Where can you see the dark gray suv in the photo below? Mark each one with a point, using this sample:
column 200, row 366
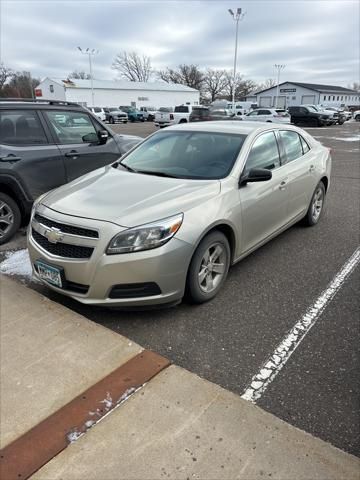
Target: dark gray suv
column 45, row 144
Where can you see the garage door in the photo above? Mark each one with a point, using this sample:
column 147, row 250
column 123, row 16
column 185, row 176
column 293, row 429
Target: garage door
column 306, row 99
column 280, row 102
column 265, row 102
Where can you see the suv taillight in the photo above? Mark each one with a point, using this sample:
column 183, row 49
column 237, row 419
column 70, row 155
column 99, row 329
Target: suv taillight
column 171, row 116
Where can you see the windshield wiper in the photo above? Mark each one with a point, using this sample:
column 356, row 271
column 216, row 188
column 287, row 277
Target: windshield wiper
column 158, row 174
column 116, row 164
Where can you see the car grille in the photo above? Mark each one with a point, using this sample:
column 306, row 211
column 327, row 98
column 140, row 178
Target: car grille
column 62, row 249
column 82, row 232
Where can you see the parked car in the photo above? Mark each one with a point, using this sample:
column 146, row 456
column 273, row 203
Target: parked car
column 334, row 114
column 356, row 115
column 98, row 112
column 170, row 218
column 269, row 115
column 133, row 114
column 200, row 114
column 115, row 115
column 44, row 144
column 309, row 116
column 181, row 114
column 223, row 114
column 148, row 113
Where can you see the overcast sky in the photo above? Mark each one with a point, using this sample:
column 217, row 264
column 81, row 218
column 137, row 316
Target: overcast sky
column 318, row 41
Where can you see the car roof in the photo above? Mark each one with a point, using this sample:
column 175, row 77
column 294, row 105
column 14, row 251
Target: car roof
column 31, row 103
column 228, row 126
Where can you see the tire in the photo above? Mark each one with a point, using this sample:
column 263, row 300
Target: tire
column 10, row 218
column 111, row 120
column 215, row 243
column 357, row 118
column 316, row 206
column 183, row 120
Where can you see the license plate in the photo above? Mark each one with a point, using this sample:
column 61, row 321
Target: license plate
column 49, row 274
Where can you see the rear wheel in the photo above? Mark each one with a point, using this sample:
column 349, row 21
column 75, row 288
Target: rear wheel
column 111, row 120
column 183, row 120
column 357, row 118
column 208, row 268
column 316, row 206
column 10, row 218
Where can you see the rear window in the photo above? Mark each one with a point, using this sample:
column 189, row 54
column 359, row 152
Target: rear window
column 201, row 112
column 21, row 127
column 181, row 109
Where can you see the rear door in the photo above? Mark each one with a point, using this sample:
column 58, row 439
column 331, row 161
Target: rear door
column 28, row 152
column 263, row 204
column 263, row 115
column 300, row 166
column 80, row 156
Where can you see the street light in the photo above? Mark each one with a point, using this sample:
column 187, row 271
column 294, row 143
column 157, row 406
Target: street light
column 90, row 53
column 279, row 68
column 236, row 16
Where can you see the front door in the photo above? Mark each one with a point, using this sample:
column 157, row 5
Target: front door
column 263, row 204
column 80, row 156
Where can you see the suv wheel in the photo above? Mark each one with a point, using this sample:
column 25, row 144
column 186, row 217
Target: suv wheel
column 183, row 120
column 111, row 120
column 10, row 218
column 208, row 268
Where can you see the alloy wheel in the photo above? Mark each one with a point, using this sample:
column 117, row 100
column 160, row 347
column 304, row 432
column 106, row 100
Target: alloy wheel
column 6, row 218
column 317, row 204
column 212, row 267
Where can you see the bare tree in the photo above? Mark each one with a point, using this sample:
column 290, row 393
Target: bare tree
column 189, row 75
column 269, row 82
column 132, row 66
column 244, row 88
column 21, row 85
column 228, row 90
column 79, row 75
column 5, row 74
column 214, row 82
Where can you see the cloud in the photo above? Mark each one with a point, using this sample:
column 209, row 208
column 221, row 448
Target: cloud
column 317, row 40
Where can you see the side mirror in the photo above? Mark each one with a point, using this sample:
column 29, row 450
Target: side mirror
column 256, row 175
column 103, row 136
column 90, row 138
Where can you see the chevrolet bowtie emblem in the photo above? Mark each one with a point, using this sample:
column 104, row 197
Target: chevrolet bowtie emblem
column 54, row 235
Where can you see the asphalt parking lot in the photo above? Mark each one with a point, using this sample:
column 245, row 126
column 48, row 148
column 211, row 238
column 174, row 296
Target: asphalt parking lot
column 228, row 340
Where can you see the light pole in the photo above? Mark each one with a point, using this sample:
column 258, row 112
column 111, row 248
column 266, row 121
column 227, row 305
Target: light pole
column 279, row 68
column 236, row 16
column 90, row 53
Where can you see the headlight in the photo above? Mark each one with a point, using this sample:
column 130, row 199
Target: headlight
column 145, row 237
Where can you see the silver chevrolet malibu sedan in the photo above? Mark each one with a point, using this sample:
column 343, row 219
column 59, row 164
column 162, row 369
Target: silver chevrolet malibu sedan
column 170, row 218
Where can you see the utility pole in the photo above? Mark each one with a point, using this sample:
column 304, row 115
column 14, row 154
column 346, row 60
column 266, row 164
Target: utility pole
column 90, row 53
column 279, row 68
column 237, row 17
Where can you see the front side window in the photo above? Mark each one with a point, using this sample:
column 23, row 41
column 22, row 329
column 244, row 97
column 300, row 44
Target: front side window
column 194, row 155
column 264, row 153
column 253, row 114
column 70, row 127
column 181, row 109
column 21, row 127
column 292, row 145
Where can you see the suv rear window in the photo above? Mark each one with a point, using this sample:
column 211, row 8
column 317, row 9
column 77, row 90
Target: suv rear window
column 200, row 111
column 21, row 127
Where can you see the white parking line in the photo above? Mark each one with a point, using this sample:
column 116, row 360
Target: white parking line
column 288, row 345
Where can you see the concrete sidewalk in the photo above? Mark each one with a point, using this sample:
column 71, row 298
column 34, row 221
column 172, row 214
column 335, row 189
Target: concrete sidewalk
column 177, row 426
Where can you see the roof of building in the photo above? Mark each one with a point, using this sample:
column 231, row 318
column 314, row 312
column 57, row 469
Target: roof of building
column 123, row 85
column 312, row 86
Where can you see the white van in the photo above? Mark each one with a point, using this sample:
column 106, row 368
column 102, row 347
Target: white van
column 242, row 108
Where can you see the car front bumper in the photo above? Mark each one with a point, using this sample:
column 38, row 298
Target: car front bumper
column 165, row 266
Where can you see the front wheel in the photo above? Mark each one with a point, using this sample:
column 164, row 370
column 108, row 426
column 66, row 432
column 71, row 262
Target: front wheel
column 208, row 268
column 357, row 118
column 316, row 206
column 10, row 218
column 111, row 120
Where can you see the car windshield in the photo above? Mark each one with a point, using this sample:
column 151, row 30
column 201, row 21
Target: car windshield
column 193, row 155
column 313, row 109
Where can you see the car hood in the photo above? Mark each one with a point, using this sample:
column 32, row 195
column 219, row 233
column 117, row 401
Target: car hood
column 128, row 199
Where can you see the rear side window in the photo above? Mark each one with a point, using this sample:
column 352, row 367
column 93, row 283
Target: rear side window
column 264, row 153
column 304, row 145
column 292, row 145
column 21, row 127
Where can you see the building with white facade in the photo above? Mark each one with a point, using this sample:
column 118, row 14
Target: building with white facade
column 295, row 93
column 116, row 93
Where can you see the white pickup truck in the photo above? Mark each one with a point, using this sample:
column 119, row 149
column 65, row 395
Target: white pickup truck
column 180, row 114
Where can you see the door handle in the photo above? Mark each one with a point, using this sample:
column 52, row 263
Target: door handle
column 72, row 154
column 10, row 158
column 282, row 185
column 312, row 168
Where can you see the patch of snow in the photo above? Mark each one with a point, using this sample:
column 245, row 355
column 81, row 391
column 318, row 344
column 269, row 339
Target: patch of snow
column 17, row 263
column 107, row 401
column 73, row 436
column 89, row 423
